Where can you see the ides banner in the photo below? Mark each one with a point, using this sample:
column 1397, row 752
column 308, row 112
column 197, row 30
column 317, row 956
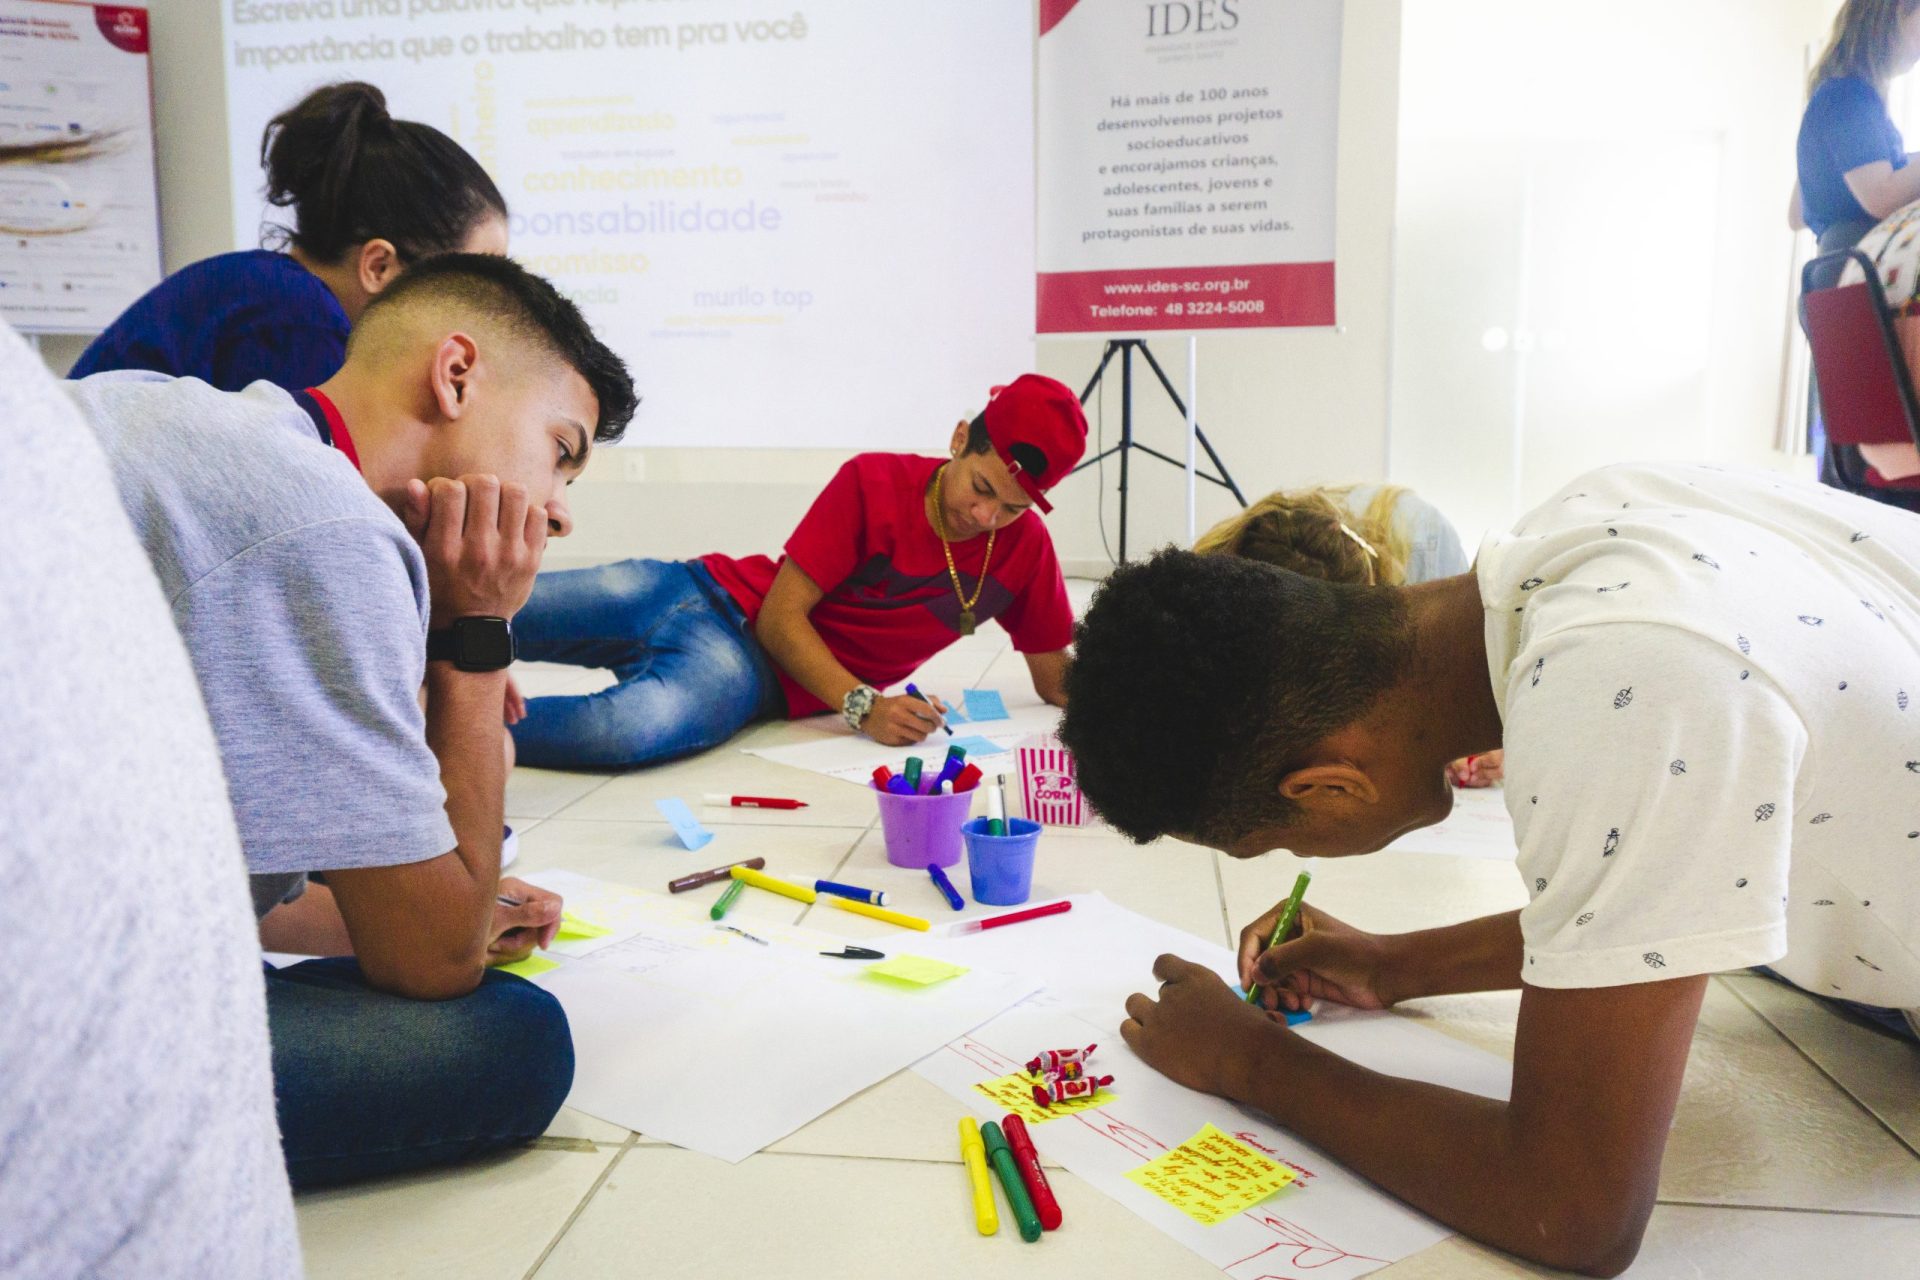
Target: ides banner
column 1186, row 164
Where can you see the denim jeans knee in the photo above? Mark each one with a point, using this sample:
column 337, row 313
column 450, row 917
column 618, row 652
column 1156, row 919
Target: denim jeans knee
column 371, row 1083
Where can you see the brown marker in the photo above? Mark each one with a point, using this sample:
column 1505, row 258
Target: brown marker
column 699, row 878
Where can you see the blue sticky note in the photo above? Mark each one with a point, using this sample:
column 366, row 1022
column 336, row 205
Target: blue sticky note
column 985, row 704
column 954, row 714
column 977, row 746
column 685, row 825
column 1294, row 1016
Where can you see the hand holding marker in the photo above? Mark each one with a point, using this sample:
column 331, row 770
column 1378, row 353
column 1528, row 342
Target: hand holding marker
column 913, row 692
column 1282, row 925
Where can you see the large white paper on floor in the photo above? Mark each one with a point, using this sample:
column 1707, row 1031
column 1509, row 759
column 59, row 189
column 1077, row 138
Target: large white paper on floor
column 838, row 752
column 1329, row 1223
column 1478, row 827
column 696, row 1036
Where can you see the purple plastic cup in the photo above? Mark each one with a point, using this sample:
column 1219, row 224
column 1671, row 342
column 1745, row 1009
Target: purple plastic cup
column 1001, row 867
column 923, row 831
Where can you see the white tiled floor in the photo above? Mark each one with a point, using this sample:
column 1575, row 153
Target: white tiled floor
column 1793, row 1151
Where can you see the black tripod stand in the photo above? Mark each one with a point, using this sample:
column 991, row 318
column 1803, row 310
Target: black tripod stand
column 1125, row 347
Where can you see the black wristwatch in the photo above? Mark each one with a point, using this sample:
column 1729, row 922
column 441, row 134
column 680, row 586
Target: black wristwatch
column 473, row 644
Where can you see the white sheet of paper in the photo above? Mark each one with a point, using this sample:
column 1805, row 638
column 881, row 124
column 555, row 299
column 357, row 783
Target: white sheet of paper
column 1478, row 827
column 838, row 752
column 701, row 1038
column 1330, row 1223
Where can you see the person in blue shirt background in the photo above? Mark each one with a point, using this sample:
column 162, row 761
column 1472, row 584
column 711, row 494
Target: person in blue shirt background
column 1852, row 161
column 1854, row 171
column 370, row 195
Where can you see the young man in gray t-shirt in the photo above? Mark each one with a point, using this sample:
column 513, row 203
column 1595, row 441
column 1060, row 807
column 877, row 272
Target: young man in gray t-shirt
column 328, row 553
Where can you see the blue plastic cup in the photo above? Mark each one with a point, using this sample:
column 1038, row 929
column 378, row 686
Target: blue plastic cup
column 1001, row 867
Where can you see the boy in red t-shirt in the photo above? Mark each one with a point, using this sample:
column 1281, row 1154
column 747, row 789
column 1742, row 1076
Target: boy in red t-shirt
column 898, row 557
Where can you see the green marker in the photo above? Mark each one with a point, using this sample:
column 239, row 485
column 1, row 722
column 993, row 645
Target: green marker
column 914, row 766
column 1000, row 1156
column 1285, row 923
column 721, row 907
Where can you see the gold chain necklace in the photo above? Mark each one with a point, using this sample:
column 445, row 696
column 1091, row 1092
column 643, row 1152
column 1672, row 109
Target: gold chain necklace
column 980, row 583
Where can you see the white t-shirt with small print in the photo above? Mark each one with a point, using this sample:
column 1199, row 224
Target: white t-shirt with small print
column 1710, row 686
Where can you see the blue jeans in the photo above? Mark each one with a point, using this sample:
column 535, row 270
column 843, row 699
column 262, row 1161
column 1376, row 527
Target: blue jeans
column 369, row 1083
column 1892, row 1021
column 690, row 673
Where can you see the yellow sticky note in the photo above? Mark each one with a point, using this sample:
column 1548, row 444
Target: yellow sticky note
column 1015, row 1093
column 532, row 967
column 1211, row 1177
column 916, row 970
column 573, row 927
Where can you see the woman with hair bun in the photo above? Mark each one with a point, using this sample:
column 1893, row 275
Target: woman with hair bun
column 1368, row 535
column 370, row 196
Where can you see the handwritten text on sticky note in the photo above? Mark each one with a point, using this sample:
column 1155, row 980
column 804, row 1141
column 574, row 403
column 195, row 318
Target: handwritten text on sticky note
column 985, row 704
column 1015, row 1093
column 1211, row 1177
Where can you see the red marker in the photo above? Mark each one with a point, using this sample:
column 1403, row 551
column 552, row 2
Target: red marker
column 1027, row 1160
column 881, row 777
column 755, row 802
column 967, row 779
column 1012, row 917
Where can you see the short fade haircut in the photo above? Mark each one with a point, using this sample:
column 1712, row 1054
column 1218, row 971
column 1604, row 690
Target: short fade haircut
column 505, row 292
column 980, row 441
column 1199, row 682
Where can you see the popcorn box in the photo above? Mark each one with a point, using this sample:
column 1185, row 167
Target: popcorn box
column 1047, row 784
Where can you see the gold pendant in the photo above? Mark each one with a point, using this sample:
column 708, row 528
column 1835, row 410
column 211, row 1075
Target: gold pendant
column 966, row 622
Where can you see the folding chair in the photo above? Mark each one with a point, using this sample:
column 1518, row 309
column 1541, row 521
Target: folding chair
column 1866, row 390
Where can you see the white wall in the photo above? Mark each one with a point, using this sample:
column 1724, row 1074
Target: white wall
column 1605, row 185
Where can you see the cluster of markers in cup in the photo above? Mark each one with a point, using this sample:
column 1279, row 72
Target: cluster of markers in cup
column 956, row 777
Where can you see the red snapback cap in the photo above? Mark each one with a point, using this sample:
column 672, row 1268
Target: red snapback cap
column 1044, row 416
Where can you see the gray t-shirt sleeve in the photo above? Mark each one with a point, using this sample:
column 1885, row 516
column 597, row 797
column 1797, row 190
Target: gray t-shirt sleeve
column 311, row 651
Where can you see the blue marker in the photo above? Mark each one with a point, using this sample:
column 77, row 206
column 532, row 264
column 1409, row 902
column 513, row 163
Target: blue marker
column 913, row 692
column 945, row 886
column 956, row 761
column 873, row 897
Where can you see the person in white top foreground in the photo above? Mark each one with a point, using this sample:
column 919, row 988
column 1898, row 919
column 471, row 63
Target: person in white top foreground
column 1707, row 683
column 137, row 1134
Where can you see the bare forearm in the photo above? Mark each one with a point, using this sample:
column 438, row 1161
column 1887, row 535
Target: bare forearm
column 1880, row 189
column 310, row 925
column 1049, row 671
column 463, row 731
column 1474, row 955
column 1454, row 1156
column 801, row 653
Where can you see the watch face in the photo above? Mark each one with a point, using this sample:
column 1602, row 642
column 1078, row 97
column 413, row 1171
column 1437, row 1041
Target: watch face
column 484, row 644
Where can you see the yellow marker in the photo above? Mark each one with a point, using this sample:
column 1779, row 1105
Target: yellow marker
column 900, row 918
column 974, row 1151
column 774, row 884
